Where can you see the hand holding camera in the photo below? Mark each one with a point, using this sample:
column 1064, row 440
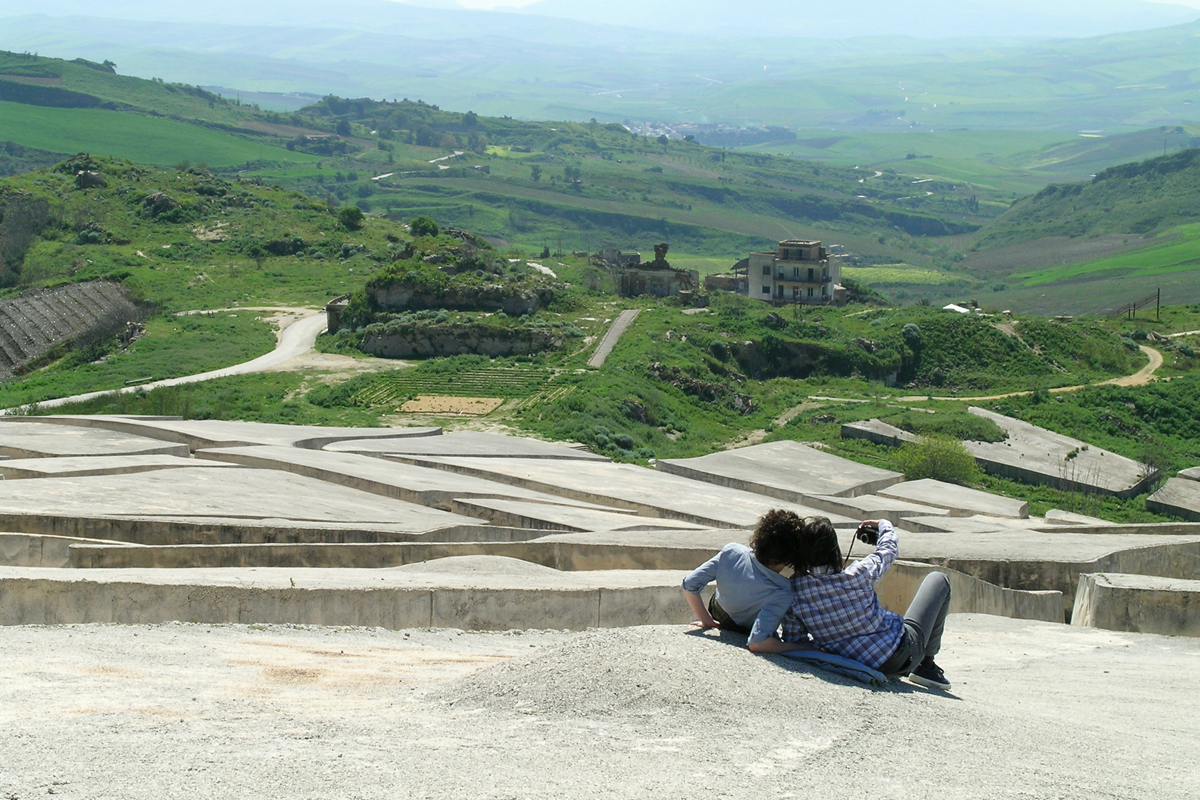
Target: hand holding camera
column 868, row 532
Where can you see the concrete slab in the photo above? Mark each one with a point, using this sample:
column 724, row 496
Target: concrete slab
column 1178, row 497
column 1034, row 560
column 1139, row 603
column 37, row 550
column 625, row 486
column 326, row 714
column 570, row 552
column 787, row 470
column 1191, row 474
column 21, row 440
column 198, row 434
column 1057, row 516
column 203, row 496
column 552, row 517
column 879, row 432
column 873, row 506
column 977, row 523
column 960, row 501
column 464, row 443
column 1035, row 455
column 96, row 465
column 403, row 481
column 468, row 592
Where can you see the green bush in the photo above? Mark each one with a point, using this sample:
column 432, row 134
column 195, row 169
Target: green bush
column 423, row 226
column 962, row 426
column 940, row 458
column 351, row 217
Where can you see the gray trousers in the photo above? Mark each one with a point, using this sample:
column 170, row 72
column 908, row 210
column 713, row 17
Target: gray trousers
column 923, row 625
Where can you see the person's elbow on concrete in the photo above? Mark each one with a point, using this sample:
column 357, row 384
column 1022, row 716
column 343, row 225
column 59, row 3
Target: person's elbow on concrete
column 772, row 645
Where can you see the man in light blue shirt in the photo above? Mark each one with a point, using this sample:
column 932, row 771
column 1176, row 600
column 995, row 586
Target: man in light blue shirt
column 752, row 596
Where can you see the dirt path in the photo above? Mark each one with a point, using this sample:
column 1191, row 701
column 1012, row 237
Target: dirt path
column 619, row 326
column 1143, row 375
column 756, row 437
column 1140, row 378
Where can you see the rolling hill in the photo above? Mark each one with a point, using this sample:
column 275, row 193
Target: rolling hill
column 544, row 68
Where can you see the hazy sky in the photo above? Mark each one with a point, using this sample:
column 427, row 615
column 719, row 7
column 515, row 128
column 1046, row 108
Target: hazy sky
column 495, row 3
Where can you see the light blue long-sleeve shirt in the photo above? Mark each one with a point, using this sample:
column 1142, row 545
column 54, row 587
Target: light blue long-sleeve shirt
column 753, row 595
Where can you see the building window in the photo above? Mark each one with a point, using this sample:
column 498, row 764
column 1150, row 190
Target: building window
column 810, row 291
column 824, row 291
column 767, row 271
column 766, row 290
column 810, row 274
column 795, row 273
column 795, row 292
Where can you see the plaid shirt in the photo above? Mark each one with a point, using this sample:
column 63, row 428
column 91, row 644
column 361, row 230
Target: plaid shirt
column 842, row 611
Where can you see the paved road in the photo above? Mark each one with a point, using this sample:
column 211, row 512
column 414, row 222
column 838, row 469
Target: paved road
column 619, row 326
column 295, row 340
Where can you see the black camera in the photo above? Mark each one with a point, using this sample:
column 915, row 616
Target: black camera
column 868, row 532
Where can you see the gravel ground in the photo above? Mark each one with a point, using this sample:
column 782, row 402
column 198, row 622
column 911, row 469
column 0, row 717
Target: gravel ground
column 1037, row 711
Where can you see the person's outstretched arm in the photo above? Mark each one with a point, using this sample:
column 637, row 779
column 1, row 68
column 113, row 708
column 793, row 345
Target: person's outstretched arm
column 886, row 549
column 697, row 580
column 703, row 618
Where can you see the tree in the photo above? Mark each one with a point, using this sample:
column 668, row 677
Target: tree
column 351, row 217
column 470, row 119
column 535, row 172
column 423, row 226
column 343, row 128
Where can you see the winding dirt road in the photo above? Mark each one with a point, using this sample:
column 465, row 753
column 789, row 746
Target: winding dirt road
column 294, row 340
column 1139, row 378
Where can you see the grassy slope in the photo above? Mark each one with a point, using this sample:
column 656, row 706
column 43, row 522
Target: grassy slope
column 1133, row 198
column 167, row 263
column 147, row 140
column 1140, row 217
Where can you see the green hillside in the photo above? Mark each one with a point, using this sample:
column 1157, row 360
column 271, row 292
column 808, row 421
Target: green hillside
column 1141, row 198
column 1116, row 83
column 180, row 241
column 906, row 207
column 148, row 140
column 566, row 186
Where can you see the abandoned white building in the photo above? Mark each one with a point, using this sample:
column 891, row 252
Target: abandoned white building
column 797, row 271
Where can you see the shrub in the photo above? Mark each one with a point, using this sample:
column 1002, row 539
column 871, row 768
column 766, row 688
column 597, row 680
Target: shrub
column 912, row 335
column 351, row 217
column 940, row 458
column 962, row 426
column 423, row 226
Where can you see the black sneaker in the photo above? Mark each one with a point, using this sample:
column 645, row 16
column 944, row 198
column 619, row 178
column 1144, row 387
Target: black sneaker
column 929, row 675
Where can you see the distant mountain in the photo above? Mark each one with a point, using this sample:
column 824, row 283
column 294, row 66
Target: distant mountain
column 372, row 16
column 927, row 19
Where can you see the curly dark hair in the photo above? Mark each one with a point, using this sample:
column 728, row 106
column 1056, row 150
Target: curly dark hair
column 818, row 547
column 777, row 537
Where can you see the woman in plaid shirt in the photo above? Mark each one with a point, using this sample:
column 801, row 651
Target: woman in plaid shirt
column 840, row 609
